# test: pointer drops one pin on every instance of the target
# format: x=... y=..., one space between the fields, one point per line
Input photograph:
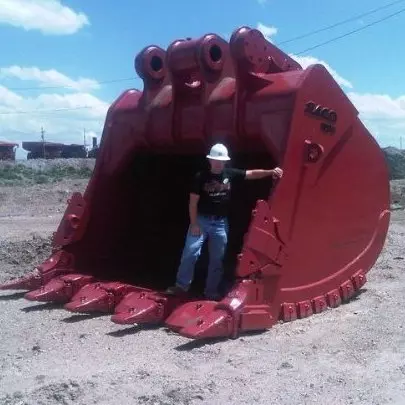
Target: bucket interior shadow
x=139 y=219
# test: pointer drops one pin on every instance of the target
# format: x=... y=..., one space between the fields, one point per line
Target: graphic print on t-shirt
x=215 y=190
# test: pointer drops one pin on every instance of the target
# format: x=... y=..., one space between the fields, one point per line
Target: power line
x=340 y=22
x=352 y=32
x=46 y=110
x=299 y=53
x=69 y=87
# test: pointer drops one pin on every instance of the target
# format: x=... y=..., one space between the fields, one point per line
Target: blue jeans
x=216 y=230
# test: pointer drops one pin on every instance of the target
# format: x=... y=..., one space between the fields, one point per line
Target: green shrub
x=41 y=179
x=19 y=174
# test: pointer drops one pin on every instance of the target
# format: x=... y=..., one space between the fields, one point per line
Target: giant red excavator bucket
x=295 y=248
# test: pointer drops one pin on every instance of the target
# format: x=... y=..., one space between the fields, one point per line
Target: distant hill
x=396 y=162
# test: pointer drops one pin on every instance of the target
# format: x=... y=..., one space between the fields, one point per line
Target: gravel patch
x=353 y=354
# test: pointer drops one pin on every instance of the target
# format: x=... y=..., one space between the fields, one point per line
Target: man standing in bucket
x=208 y=209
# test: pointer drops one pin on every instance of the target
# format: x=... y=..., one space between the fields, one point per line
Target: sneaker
x=213 y=297
x=175 y=290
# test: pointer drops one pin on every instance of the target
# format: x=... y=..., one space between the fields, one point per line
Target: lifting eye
x=215 y=53
x=156 y=63
x=74 y=221
x=314 y=152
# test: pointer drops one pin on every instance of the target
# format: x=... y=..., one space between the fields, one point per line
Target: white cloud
x=385 y=131
x=48 y=78
x=21 y=118
x=267 y=30
x=8 y=99
x=384 y=116
x=47 y=16
x=379 y=106
x=306 y=61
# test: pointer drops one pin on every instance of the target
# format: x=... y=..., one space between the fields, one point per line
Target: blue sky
x=74 y=45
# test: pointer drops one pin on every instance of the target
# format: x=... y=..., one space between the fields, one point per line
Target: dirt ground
x=354 y=354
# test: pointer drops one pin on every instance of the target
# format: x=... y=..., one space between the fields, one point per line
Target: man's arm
x=261 y=173
x=192 y=207
x=193 y=204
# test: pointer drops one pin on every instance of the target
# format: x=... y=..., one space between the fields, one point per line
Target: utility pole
x=84 y=137
x=43 y=142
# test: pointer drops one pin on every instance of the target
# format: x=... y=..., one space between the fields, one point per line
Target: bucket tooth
x=30 y=282
x=52 y=291
x=138 y=310
x=201 y=320
x=92 y=297
x=60 y=289
x=189 y=313
x=143 y=307
x=207 y=326
x=239 y=311
x=99 y=297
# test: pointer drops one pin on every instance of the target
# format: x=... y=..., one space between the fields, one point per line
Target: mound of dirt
x=39 y=199
x=20 y=257
x=398 y=194
x=25 y=252
x=395 y=159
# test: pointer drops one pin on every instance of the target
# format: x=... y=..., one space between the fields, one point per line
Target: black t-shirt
x=214 y=190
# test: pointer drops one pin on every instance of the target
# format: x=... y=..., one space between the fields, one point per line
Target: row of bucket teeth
x=294 y=310
x=129 y=304
x=81 y=293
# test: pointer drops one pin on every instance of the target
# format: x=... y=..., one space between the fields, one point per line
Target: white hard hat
x=219 y=152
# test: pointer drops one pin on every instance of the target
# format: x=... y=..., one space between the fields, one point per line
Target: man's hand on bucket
x=277 y=173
